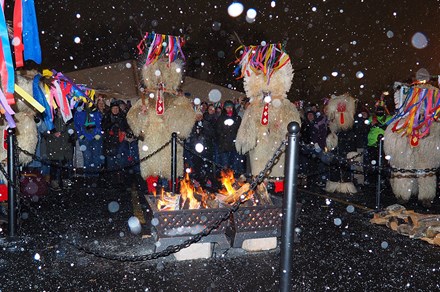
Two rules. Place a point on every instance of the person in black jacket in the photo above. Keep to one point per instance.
(201, 145)
(226, 132)
(115, 146)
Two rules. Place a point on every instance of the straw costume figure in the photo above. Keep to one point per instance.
(340, 112)
(26, 129)
(162, 110)
(267, 72)
(412, 142)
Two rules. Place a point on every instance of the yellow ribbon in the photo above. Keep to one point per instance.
(29, 98)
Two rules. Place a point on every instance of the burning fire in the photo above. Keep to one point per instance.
(233, 190)
(192, 197)
(187, 193)
(185, 200)
(167, 201)
(227, 179)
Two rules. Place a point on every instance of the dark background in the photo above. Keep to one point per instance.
(373, 37)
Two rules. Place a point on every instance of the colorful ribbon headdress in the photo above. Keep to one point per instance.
(419, 109)
(266, 59)
(161, 46)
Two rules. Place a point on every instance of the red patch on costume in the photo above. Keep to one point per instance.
(341, 109)
(5, 139)
(265, 115)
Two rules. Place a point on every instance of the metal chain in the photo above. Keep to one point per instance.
(269, 165)
(3, 171)
(181, 142)
(343, 160)
(59, 165)
(417, 175)
(417, 171)
(155, 152)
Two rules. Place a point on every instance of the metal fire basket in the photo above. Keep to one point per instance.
(175, 226)
(257, 222)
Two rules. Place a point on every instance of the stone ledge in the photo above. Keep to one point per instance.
(195, 251)
(259, 244)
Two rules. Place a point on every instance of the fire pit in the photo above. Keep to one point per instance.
(173, 227)
(257, 222)
(178, 217)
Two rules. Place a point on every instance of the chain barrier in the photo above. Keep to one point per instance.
(181, 142)
(173, 248)
(415, 173)
(309, 148)
(4, 172)
(89, 171)
(420, 173)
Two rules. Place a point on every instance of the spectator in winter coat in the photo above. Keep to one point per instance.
(378, 123)
(60, 149)
(88, 129)
(200, 142)
(308, 127)
(211, 116)
(115, 127)
(320, 130)
(226, 131)
(306, 161)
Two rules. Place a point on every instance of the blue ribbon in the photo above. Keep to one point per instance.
(7, 54)
(41, 98)
(31, 40)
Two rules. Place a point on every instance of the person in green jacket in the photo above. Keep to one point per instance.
(378, 123)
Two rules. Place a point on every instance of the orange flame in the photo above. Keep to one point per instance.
(167, 202)
(187, 193)
(231, 188)
(227, 179)
(195, 197)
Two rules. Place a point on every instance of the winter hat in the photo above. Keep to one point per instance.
(114, 103)
(228, 103)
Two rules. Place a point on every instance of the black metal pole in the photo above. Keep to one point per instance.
(12, 217)
(173, 162)
(379, 172)
(289, 207)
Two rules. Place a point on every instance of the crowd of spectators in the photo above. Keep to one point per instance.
(102, 136)
(97, 139)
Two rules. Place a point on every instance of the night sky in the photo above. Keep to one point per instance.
(354, 46)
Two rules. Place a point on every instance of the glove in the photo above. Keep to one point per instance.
(81, 137)
(97, 137)
(317, 148)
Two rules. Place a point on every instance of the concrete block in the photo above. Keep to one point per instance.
(259, 244)
(195, 251)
